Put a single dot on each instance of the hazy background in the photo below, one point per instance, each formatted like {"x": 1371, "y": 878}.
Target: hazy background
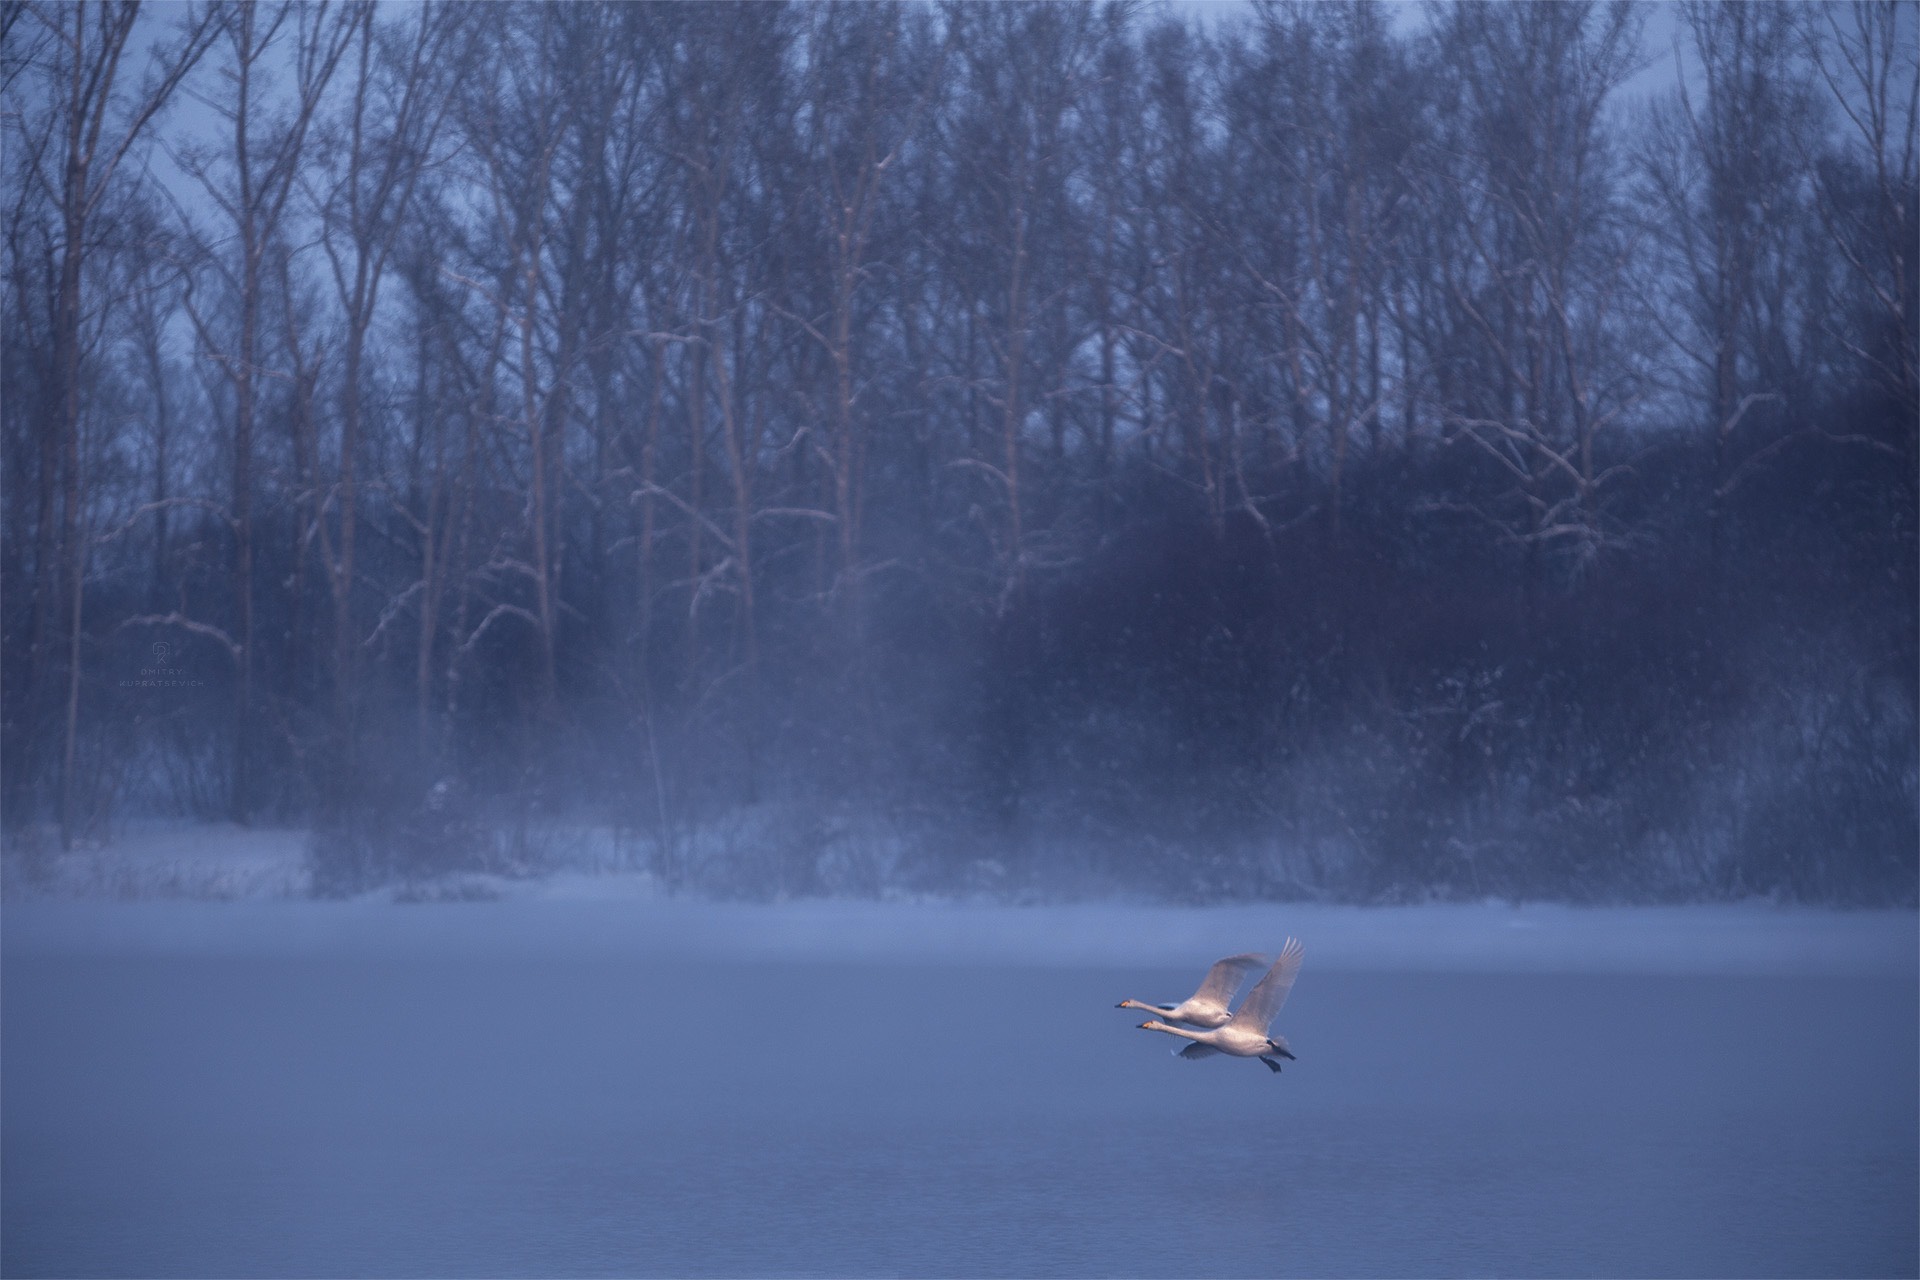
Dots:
{"x": 1314, "y": 451}
{"x": 716, "y": 583}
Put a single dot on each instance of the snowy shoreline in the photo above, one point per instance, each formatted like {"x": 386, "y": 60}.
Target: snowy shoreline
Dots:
{"x": 1755, "y": 938}
{"x": 167, "y": 888}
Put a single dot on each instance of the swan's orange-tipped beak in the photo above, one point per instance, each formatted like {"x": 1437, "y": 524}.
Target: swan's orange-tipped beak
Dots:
{"x": 1121, "y": 1005}
{"x": 1146, "y": 1026}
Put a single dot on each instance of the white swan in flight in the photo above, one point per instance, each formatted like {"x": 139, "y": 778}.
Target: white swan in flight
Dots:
{"x": 1246, "y": 1034}
{"x": 1207, "y": 1007}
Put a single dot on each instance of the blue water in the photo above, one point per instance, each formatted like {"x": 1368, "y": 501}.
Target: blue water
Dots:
{"x": 653, "y": 1113}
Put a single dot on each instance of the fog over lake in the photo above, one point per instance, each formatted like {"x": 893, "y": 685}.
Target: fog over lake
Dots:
{"x": 584, "y": 1088}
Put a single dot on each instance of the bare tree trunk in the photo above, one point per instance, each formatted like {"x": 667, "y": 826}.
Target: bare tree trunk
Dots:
{"x": 263, "y": 170}
{"x": 1013, "y": 412}
{"x": 89, "y": 158}
{"x": 649, "y": 461}
{"x": 538, "y": 496}
{"x": 67, "y": 358}
{"x": 364, "y": 211}
{"x": 696, "y": 557}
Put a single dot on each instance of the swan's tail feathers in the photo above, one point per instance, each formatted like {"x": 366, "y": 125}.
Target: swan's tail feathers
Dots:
{"x": 1195, "y": 1051}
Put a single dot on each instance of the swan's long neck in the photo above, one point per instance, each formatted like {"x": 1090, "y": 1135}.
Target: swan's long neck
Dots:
{"x": 1173, "y": 1031}
{"x": 1162, "y": 1009}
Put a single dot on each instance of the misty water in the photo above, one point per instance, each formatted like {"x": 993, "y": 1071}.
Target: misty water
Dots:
{"x": 232, "y": 1100}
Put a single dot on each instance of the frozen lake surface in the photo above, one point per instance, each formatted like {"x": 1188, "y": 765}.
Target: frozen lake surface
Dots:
{"x": 595, "y": 1088}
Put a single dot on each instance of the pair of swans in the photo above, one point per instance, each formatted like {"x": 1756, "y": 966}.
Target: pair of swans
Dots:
{"x": 1244, "y": 1032}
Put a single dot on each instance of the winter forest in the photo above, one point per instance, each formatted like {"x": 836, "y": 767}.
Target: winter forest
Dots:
{"x": 1346, "y": 451}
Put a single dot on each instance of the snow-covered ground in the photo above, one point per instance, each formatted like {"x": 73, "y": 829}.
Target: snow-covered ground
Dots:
{"x": 165, "y": 859}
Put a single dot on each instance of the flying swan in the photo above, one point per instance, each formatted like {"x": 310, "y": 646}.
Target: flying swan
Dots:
{"x": 1245, "y": 1035}
{"x": 1207, "y": 1007}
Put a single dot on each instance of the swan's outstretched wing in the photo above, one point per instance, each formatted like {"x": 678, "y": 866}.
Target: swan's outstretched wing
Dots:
{"x": 1258, "y": 1010}
{"x": 1195, "y": 1050}
{"x": 1224, "y": 979}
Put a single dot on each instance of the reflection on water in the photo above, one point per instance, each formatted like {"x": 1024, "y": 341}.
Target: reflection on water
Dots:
{"x": 227, "y": 1115}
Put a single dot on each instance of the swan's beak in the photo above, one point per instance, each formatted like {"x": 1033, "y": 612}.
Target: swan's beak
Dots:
{"x": 1121, "y": 1005}
{"x": 1146, "y": 1026}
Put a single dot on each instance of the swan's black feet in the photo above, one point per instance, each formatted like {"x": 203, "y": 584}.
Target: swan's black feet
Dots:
{"x": 1271, "y": 1064}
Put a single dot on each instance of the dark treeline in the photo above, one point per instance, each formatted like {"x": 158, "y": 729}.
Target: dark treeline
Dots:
{"x": 1006, "y": 448}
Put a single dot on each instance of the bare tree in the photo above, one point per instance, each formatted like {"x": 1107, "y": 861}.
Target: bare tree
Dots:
{"x": 515, "y": 130}
{"x": 866, "y": 100}
{"x": 1729, "y": 189}
{"x": 92, "y": 125}
{"x": 1540, "y": 291}
{"x": 1335, "y": 133}
{"x": 399, "y": 98}
{"x": 1013, "y": 173}
{"x": 250, "y": 182}
{"x": 1864, "y": 53}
